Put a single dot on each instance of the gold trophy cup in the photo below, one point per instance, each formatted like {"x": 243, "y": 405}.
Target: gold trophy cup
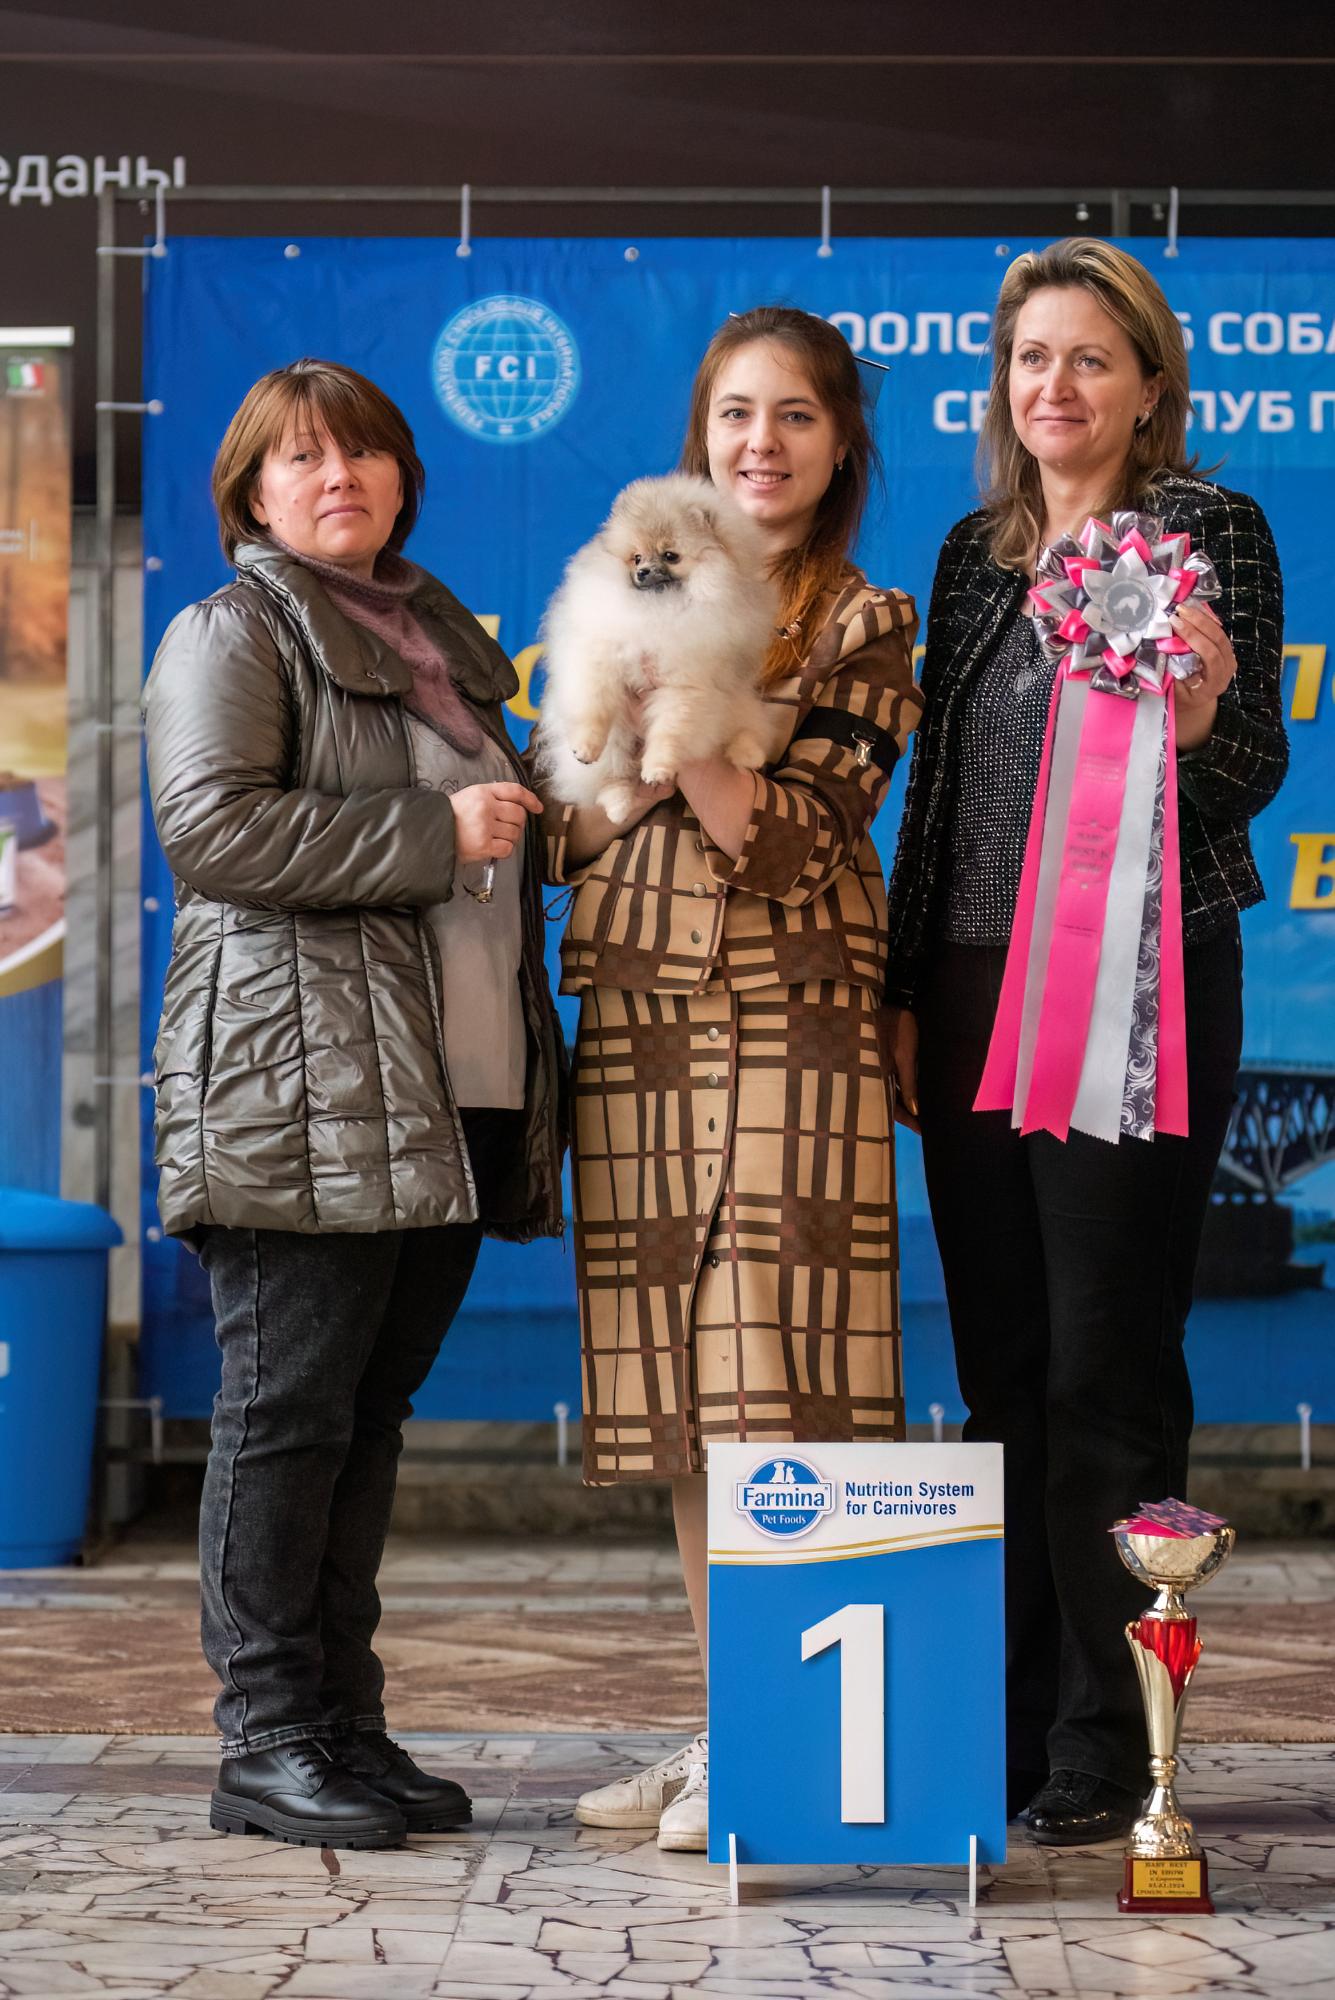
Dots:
{"x": 1171, "y": 1547}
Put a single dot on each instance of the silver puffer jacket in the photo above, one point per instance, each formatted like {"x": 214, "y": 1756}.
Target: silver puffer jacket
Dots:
{"x": 301, "y": 1079}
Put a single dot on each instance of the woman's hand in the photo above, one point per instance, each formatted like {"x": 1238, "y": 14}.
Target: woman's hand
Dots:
{"x": 489, "y": 819}
{"x": 1197, "y": 698}
{"x": 590, "y": 829}
{"x": 898, "y": 1030}
{"x": 642, "y": 798}
{"x": 722, "y": 798}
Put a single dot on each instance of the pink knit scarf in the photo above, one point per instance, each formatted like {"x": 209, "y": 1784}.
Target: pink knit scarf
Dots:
{"x": 380, "y": 604}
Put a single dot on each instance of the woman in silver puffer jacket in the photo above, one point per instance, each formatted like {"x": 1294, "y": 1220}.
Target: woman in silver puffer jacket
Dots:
{"x": 359, "y": 1066}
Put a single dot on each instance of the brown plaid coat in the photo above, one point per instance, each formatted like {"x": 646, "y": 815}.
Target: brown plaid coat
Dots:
{"x": 658, "y": 910}
{"x": 735, "y": 1232}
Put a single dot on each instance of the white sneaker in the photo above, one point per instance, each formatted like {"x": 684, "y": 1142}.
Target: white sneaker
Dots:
{"x": 684, "y": 1827}
{"x": 640, "y": 1799}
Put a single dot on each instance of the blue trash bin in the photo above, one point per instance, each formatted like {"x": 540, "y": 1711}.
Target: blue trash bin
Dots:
{"x": 53, "y": 1298}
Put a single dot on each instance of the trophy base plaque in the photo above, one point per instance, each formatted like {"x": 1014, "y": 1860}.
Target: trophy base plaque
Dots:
{"x": 1166, "y": 1885}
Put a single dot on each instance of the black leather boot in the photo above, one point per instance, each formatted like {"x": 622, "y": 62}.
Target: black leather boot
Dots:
{"x": 1076, "y": 1809}
{"x": 302, "y": 1794}
{"x": 429, "y": 1805}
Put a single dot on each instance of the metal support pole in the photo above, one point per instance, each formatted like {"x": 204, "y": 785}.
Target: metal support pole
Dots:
{"x": 104, "y": 695}
{"x": 154, "y": 1406}
{"x": 1119, "y": 213}
{"x": 158, "y": 247}
{"x": 1020, "y": 198}
{"x": 1174, "y": 206}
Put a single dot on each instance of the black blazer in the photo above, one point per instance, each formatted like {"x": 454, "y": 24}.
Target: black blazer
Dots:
{"x": 1220, "y": 786}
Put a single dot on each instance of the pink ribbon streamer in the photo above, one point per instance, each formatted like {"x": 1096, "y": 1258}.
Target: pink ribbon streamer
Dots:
{"x": 1071, "y": 971}
{"x": 1082, "y": 898}
{"x": 1104, "y": 604}
{"x": 996, "y": 1092}
{"x": 1170, "y": 1076}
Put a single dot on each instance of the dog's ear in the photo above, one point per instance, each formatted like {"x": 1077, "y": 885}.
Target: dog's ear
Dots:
{"x": 702, "y": 514}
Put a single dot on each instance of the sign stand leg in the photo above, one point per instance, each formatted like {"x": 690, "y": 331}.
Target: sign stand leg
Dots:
{"x": 734, "y": 1893}
{"x": 973, "y": 1871}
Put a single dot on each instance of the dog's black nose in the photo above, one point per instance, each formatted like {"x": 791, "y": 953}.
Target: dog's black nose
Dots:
{"x": 644, "y": 572}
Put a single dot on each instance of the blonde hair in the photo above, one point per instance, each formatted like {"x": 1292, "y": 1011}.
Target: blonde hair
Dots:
{"x": 821, "y": 563}
{"x": 1008, "y": 474}
{"x": 310, "y": 394}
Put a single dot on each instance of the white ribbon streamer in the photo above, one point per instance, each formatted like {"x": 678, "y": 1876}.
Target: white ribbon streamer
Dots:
{"x": 1056, "y": 812}
{"x": 1098, "y": 1101}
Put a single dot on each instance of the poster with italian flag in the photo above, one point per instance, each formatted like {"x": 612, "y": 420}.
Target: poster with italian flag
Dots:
{"x": 34, "y": 619}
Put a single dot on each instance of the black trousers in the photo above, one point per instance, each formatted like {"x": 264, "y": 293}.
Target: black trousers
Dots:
{"x": 1069, "y": 1271}
{"x": 325, "y": 1341}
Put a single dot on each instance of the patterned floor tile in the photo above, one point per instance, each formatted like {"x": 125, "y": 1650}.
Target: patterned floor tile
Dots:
{"x": 111, "y": 1882}
{"x": 564, "y": 1634}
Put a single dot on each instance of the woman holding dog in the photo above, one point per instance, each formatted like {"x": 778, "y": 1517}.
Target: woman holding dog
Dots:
{"x": 1069, "y": 1264}
{"x": 358, "y": 1068}
{"x": 734, "y": 1167}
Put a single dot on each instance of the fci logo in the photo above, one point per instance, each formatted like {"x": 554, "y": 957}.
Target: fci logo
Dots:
{"x": 506, "y": 369}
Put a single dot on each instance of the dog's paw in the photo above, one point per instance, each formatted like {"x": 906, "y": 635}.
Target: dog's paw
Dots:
{"x": 587, "y": 747}
{"x": 746, "y": 752}
{"x": 618, "y": 802}
{"x": 657, "y": 772}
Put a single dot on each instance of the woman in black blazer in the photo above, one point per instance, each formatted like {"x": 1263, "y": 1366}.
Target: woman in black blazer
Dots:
{"x": 1069, "y": 1264}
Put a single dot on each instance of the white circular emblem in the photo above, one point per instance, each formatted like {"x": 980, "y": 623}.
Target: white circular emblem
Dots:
{"x": 1130, "y": 604}
{"x": 506, "y": 369}
{"x": 784, "y": 1496}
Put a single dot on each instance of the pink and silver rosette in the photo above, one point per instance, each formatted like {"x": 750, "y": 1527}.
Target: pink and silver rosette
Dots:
{"x": 1090, "y": 1031}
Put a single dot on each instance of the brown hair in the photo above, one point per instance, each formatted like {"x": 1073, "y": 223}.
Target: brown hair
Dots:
{"x": 1008, "y": 474}
{"x": 310, "y": 394}
{"x": 821, "y": 563}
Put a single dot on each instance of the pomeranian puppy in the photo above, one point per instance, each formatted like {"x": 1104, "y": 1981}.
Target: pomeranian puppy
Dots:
{"x": 671, "y": 601}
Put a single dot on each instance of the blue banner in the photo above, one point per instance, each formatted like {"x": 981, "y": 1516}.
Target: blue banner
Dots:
{"x": 541, "y": 376}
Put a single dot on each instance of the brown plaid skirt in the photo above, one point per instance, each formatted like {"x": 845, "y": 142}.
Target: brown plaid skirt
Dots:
{"x": 735, "y": 1237}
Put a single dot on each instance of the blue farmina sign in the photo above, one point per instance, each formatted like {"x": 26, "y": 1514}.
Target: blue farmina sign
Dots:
{"x": 856, "y": 1653}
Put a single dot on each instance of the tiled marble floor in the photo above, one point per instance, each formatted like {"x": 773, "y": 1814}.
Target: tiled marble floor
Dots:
{"x": 478, "y": 1633}
{"x": 111, "y": 1883}
{"x": 568, "y": 1633}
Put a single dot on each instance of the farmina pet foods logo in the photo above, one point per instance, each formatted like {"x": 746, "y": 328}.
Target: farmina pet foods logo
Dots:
{"x": 506, "y": 369}
{"x": 784, "y": 1496}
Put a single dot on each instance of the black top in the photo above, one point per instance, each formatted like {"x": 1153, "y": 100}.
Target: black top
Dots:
{"x": 1220, "y": 786}
{"x": 1002, "y": 726}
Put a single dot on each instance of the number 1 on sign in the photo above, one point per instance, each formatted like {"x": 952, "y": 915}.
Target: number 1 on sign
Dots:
{"x": 859, "y": 1632}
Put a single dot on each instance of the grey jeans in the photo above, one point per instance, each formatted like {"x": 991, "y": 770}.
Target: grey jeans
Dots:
{"x": 325, "y": 1340}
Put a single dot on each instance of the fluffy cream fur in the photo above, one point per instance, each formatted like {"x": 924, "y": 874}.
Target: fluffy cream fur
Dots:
{"x": 671, "y": 601}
